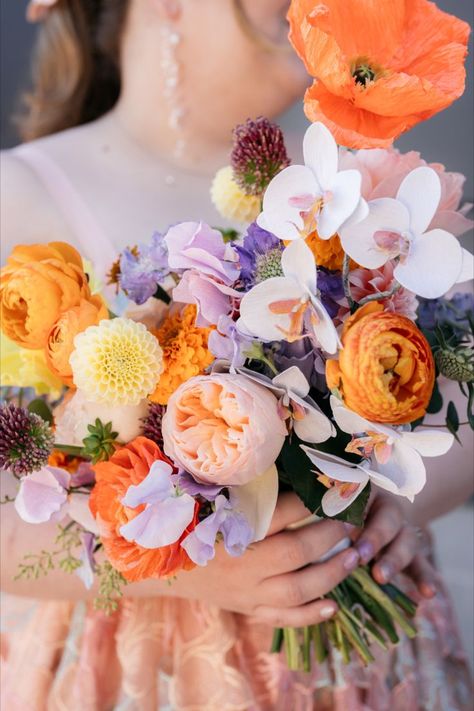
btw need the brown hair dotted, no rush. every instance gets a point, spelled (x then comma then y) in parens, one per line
(76, 64)
(76, 72)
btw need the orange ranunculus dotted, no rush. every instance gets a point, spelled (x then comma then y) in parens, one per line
(38, 283)
(60, 343)
(379, 67)
(385, 370)
(130, 465)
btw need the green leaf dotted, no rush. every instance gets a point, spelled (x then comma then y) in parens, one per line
(470, 404)
(40, 408)
(436, 402)
(452, 420)
(297, 470)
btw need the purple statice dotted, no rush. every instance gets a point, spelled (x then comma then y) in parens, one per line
(305, 357)
(141, 270)
(259, 256)
(258, 154)
(331, 290)
(454, 312)
(26, 440)
(152, 424)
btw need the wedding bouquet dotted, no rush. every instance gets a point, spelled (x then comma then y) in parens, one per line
(298, 354)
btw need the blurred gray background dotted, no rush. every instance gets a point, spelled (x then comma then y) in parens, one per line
(447, 138)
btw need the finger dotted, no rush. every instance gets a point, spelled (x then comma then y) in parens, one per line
(291, 550)
(314, 581)
(289, 509)
(311, 614)
(383, 524)
(424, 576)
(397, 555)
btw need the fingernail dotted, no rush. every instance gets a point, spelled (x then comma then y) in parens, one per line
(351, 559)
(427, 590)
(385, 571)
(366, 551)
(328, 611)
(349, 527)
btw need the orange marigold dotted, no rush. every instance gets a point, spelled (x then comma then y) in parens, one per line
(64, 461)
(385, 370)
(327, 252)
(185, 352)
(130, 465)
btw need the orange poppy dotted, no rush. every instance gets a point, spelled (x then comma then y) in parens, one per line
(130, 465)
(380, 66)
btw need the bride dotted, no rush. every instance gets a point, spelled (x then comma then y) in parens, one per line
(131, 113)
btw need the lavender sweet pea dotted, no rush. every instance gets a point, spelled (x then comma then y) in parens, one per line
(140, 274)
(43, 495)
(195, 245)
(234, 527)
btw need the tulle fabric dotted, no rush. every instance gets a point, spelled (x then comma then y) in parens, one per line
(175, 655)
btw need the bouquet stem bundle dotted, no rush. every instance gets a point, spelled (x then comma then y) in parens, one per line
(368, 613)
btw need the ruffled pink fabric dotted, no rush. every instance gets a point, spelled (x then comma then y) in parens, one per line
(174, 654)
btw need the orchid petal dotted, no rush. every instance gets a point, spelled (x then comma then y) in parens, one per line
(347, 420)
(467, 269)
(405, 471)
(385, 214)
(297, 263)
(359, 214)
(432, 266)
(257, 501)
(255, 315)
(156, 486)
(281, 217)
(321, 154)
(323, 328)
(428, 443)
(336, 468)
(293, 381)
(160, 524)
(343, 203)
(420, 192)
(315, 427)
(333, 503)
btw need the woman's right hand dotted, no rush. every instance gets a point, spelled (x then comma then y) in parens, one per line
(277, 580)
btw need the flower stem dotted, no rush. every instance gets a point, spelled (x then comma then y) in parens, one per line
(372, 589)
(70, 449)
(380, 296)
(277, 640)
(319, 645)
(345, 281)
(290, 636)
(307, 649)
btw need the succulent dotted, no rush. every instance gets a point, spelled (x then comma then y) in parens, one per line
(100, 443)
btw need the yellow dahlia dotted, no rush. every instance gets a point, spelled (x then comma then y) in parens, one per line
(231, 201)
(185, 352)
(117, 362)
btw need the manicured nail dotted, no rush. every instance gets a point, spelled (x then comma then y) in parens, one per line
(351, 559)
(366, 551)
(428, 590)
(328, 611)
(349, 527)
(385, 571)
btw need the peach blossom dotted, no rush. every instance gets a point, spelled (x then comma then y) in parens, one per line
(223, 429)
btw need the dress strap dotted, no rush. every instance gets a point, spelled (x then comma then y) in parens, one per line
(92, 239)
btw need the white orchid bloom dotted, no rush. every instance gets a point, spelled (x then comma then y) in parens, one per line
(280, 307)
(393, 459)
(292, 390)
(430, 263)
(314, 196)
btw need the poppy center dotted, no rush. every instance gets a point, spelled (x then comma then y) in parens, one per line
(364, 71)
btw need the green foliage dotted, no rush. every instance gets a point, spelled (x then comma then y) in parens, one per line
(229, 234)
(39, 407)
(111, 584)
(436, 402)
(37, 565)
(452, 420)
(99, 445)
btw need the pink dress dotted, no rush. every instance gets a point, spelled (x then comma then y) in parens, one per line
(175, 655)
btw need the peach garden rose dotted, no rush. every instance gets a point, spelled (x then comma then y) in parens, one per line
(223, 429)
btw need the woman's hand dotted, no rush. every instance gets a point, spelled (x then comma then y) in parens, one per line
(277, 580)
(395, 544)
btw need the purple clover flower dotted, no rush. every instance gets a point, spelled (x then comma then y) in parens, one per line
(140, 275)
(331, 289)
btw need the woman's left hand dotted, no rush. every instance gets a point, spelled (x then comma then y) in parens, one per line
(395, 545)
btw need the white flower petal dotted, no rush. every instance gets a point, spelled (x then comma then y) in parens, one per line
(333, 503)
(257, 501)
(347, 420)
(432, 266)
(429, 443)
(324, 329)
(337, 468)
(467, 268)
(404, 470)
(359, 214)
(315, 427)
(321, 154)
(255, 315)
(78, 509)
(280, 216)
(293, 381)
(343, 203)
(385, 214)
(420, 192)
(297, 263)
